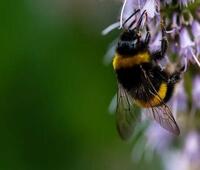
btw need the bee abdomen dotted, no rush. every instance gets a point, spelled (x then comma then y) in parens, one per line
(129, 78)
(153, 99)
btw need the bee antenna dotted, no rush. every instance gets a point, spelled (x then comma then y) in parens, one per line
(131, 17)
(140, 20)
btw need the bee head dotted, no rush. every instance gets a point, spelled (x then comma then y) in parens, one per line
(130, 35)
(128, 42)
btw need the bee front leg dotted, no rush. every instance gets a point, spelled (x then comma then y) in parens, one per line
(158, 55)
(164, 42)
(176, 76)
(148, 36)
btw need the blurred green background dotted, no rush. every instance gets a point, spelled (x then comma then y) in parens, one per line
(55, 89)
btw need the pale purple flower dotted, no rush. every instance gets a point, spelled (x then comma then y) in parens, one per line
(129, 6)
(185, 2)
(113, 105)
(110, 52)
(175, 25)
(167, 1)
(156, 42)
(175, 160)
(152, 8)
(187, 51)
(196, 92)
(196, 29)
(185, 40)
(110, 28)
(153, 135)
(196, 35)
(179, 102)
(188, 157)
(192, 147)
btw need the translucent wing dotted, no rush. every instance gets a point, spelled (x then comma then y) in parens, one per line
(161, 114)
(125, 114)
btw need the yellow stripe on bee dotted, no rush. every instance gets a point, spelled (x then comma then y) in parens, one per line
(155, 100)
(129, 61)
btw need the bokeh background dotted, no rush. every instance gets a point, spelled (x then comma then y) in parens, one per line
(55, 89)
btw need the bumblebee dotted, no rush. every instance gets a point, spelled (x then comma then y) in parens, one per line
(142, 82)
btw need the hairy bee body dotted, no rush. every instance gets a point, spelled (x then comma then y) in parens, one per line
(141, 80)
(130, 75)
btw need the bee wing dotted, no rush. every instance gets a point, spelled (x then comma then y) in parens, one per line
(125, 114)
(162, 114)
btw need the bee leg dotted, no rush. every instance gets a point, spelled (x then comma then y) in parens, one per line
(164, 42)
(176, 76)
(141, 19)
(135, 12)
(158, 55)
(148, 36)
(132, 23)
